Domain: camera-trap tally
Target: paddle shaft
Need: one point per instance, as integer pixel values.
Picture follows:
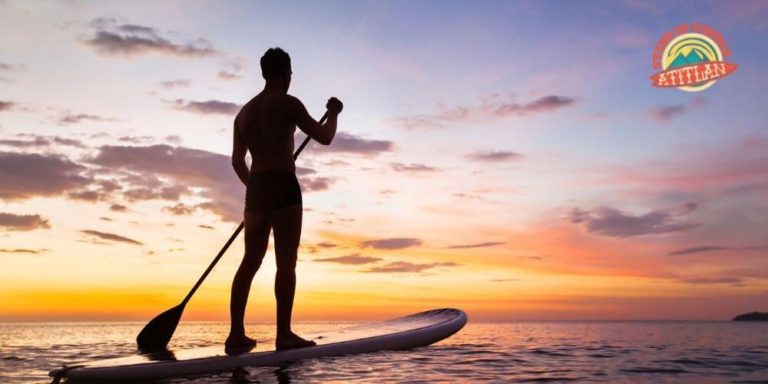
(238, 230)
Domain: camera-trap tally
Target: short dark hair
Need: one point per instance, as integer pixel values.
(275, 62)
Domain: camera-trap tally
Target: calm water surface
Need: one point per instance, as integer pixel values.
(613, 352)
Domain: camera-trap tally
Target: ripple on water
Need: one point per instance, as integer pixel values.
(510, 352)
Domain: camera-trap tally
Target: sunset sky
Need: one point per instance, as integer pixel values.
(507, 158)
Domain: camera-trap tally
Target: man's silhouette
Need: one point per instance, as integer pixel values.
(265, 127)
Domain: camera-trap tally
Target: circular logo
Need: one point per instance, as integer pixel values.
(691, 58)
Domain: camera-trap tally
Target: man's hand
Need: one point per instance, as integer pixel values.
(334, 106)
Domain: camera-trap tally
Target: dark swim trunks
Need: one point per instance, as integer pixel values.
(271, 190)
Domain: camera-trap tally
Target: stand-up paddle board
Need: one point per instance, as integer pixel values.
(417, 330)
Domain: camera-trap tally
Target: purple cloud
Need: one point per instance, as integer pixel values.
(113, 39)
(352, 144)
(476, 245)
(354, 259)
(15, 222)
(494, 156)
(22, 250)
(612, 222)
(701, 249)
(110, 237)
(488, 109)
(714, 248)
(208, 107)
(391, 243)
(181, 168)
(404, 266)
(179, 83)
(315, 184)
(713, 280)
(118, 208)
(86, 195)
(665, 113)
(69, 118)
(26, 175)
(413, 168)
(41, 141)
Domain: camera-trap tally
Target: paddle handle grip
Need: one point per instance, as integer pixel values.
(238, 230)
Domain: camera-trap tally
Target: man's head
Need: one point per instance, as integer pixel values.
(276, 64)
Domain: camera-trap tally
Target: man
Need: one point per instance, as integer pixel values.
(265, 127)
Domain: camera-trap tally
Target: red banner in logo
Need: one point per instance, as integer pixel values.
(692, 74)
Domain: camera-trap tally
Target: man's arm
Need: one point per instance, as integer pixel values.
(239, 149)
(323, 134)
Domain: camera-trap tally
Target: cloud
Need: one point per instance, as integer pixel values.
(26, 175)
(665, 113)
(695, 171)
(66, 141)
(4, 67)
(713, 280)
(136, 139)
(170, 192)
(178, 83)
(391, 243)
(315, 184)
(494, 156)
(354, 259)
(110, 237)
(209, 107)
(612, 222)
(714, 248)
(36, 142)
(348, 143)
(22, 250)
(86, 195)
(181, 168)
(404, 266)
(14, 222)
(476, 245)
(180, 209)
(6, 105)
(69, 118)
(113, 39)
(41, 141)
(490, 108)
(399, 167)
(544, 104)
(232, 69)
(118, 208)
(701, 249)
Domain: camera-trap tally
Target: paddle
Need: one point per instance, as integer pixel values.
(158, 332)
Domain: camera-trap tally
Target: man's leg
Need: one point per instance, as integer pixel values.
(286, 223)
(256, 240)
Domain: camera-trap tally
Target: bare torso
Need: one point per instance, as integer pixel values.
(266, 126)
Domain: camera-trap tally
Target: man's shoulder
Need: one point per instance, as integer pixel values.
(293, 104)
(292, 99)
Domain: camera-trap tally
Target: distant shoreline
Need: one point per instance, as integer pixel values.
(752, 316)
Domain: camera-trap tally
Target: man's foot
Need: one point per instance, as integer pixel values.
(239, 344)
(291, 341)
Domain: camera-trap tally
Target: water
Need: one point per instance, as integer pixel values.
(614, 352)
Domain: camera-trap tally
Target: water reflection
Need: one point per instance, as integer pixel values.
(642, 352)
(282, 374)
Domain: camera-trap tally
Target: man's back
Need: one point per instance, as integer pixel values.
(266, 125)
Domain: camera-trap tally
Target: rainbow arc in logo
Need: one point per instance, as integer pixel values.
(691, 62)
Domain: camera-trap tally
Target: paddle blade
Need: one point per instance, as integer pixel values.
(157, 333)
